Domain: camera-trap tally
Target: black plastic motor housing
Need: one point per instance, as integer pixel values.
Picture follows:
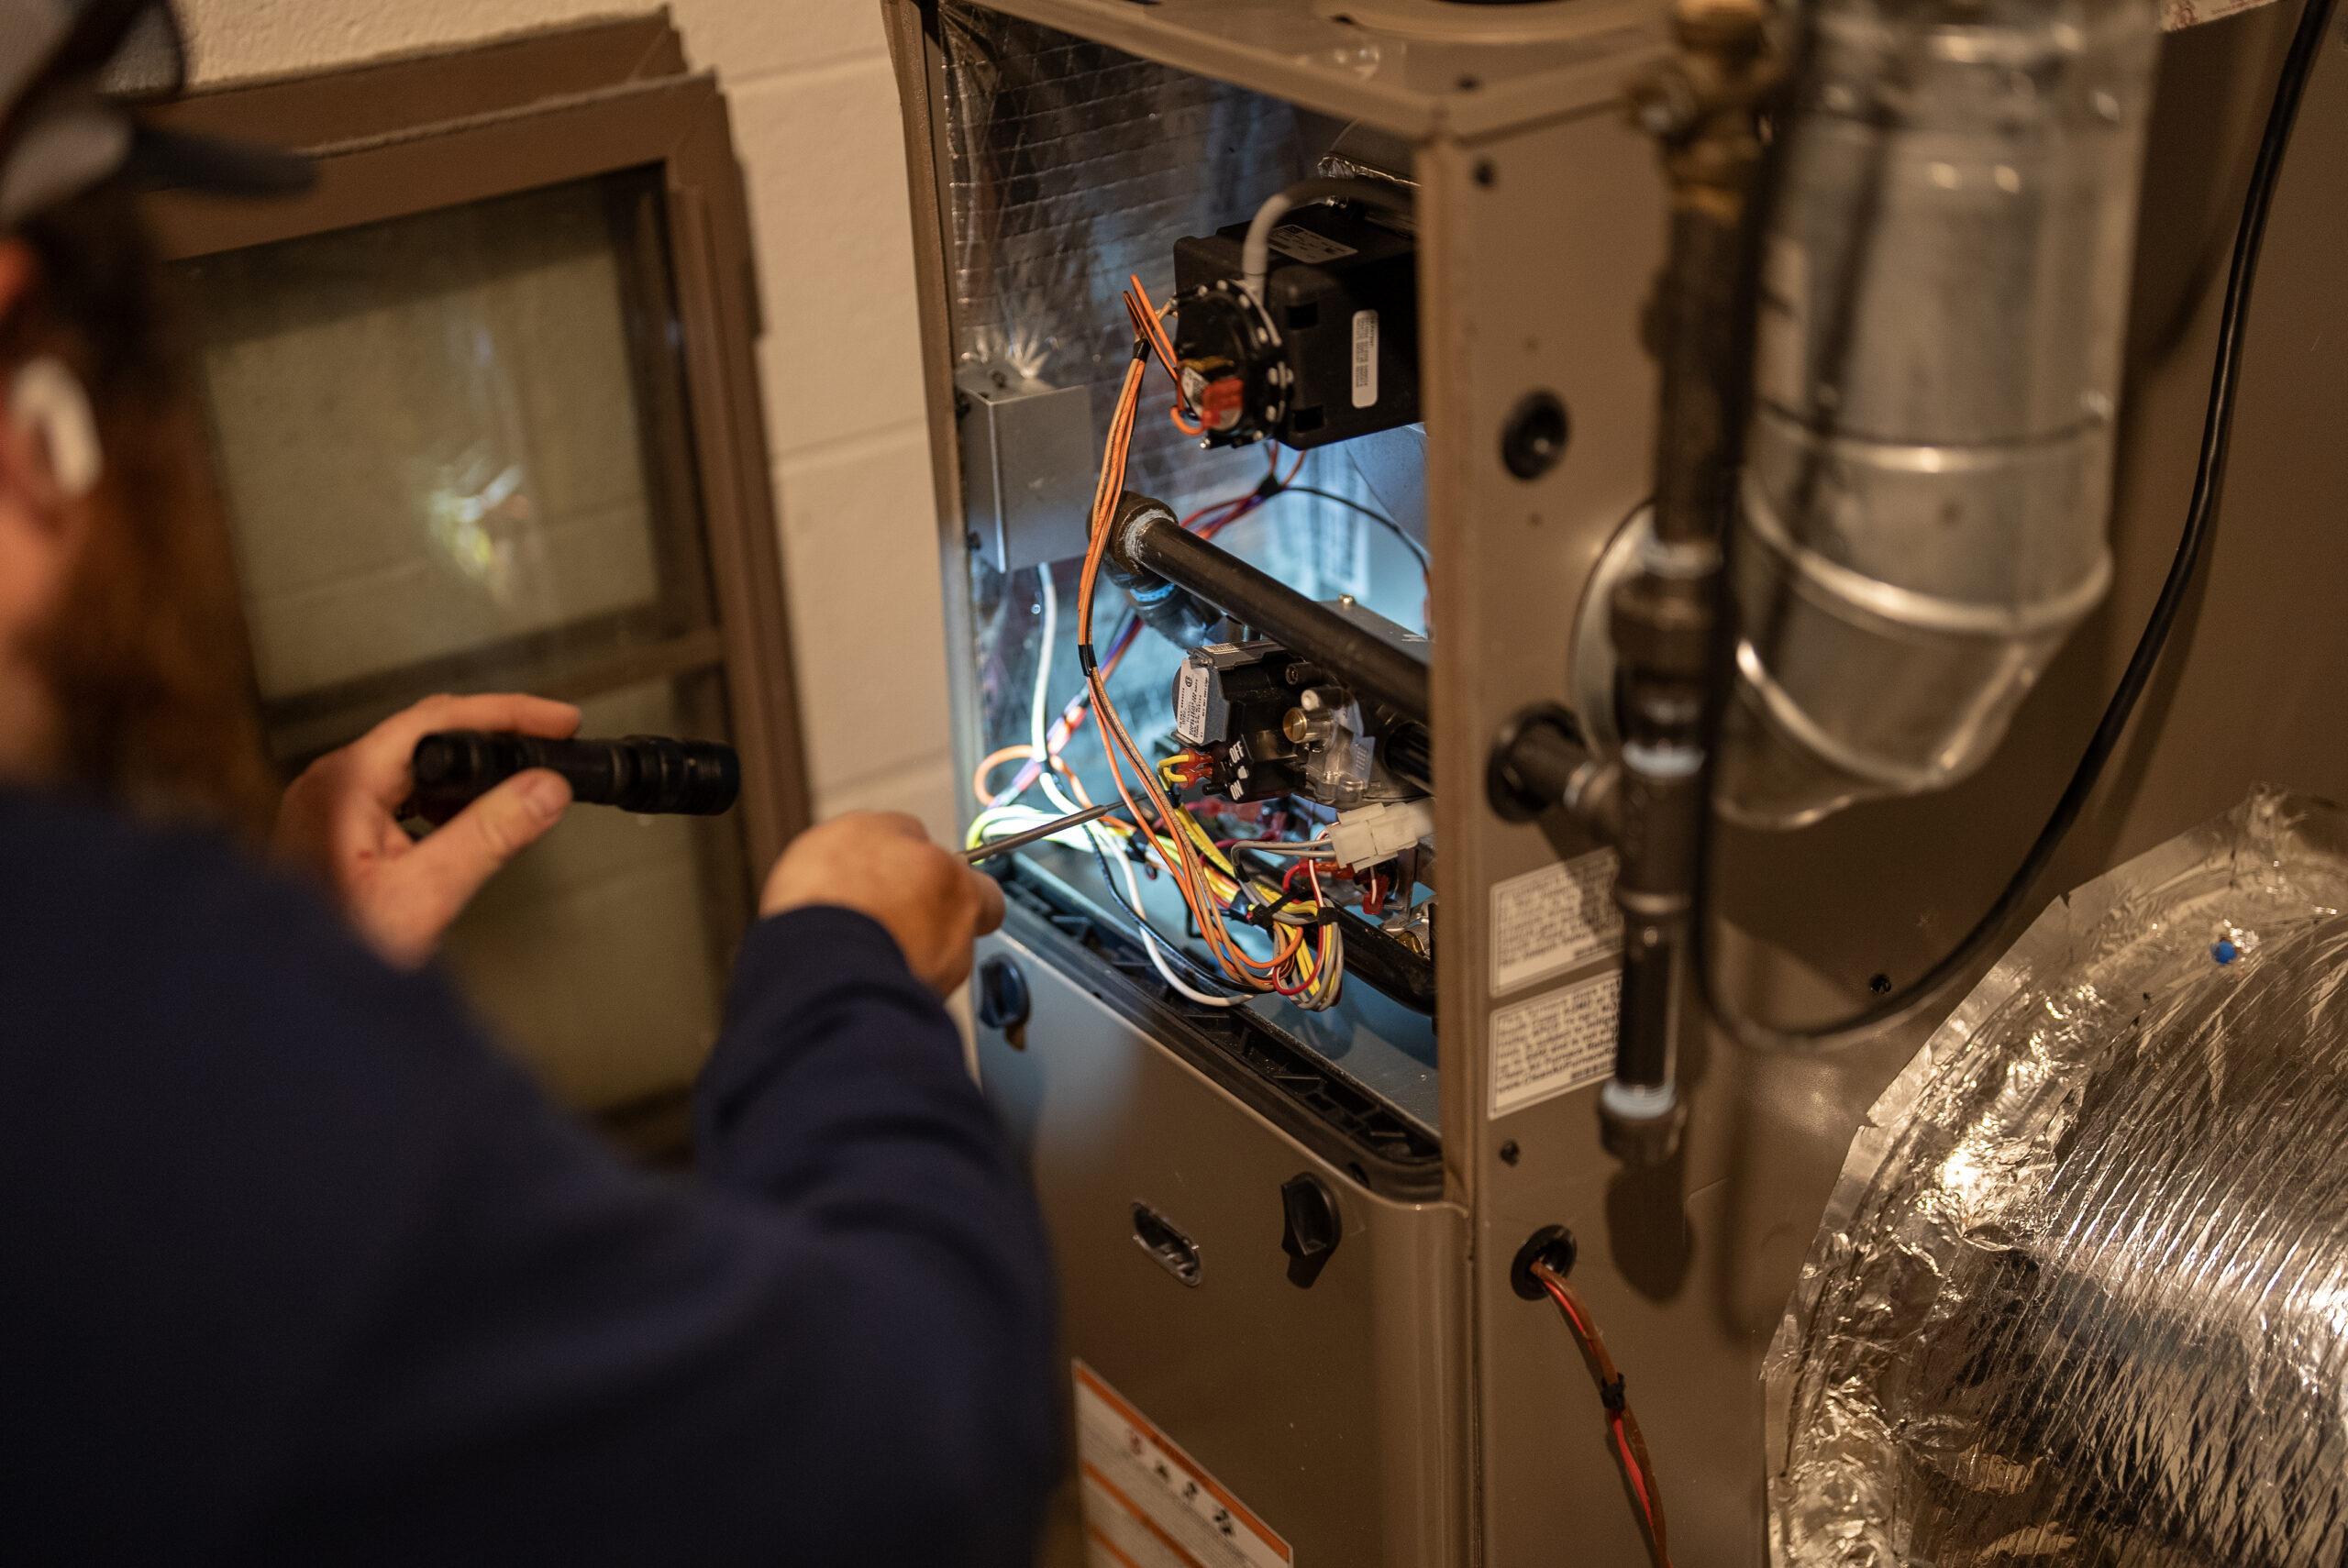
(1335, 353)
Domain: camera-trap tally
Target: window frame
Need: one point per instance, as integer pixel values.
(399, 138)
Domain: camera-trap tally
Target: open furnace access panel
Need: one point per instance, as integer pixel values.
(1278, 1080)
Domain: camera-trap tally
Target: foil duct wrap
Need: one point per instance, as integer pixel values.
(2081, 1295)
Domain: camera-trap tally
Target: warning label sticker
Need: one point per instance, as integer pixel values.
(1291, 239)
(1554, 1043)
(1546, 922)
(1147, 1504)
(1192, 684)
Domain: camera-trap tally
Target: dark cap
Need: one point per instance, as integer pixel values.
(74, 74)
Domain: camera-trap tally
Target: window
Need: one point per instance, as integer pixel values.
(485, 418)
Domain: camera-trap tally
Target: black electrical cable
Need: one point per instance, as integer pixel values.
(1371, 513)
(1214, 983)
(2217, 431)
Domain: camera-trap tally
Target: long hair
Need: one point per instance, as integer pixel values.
(148, 656)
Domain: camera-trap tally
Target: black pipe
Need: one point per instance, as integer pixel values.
(1387, 963)
(1701, 106)
(1144, 538)
(1540, 763)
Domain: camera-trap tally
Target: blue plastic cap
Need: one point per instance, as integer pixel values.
(2223, 951)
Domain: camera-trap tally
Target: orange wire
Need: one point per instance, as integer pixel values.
(1150, 325)
(1150, 320)
(1638, 1467)
(994, 760)
(1187, 876)
(1119, 748)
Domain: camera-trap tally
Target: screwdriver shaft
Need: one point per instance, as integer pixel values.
(994, 847)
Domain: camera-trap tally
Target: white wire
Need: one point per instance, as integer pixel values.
(1043, 681)
(1255, 250)
(1109, 848)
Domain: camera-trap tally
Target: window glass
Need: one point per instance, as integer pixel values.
(426, 435)
(456, 457)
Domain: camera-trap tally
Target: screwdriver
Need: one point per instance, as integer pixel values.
(994, 847)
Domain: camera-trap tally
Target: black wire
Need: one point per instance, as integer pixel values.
(2217, 431)
(1214, 983)
(1369, 512)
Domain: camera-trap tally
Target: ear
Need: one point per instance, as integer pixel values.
(47, 456)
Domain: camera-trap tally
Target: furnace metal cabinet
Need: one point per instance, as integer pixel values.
(1407, 1405)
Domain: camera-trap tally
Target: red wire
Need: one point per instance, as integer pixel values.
(1242, 505)
(1615, 1422)
(1631, 1466)
(1236, 509)
(1306, 866)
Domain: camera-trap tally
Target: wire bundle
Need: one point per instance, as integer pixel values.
(1306, 958)
(1107, 838)
(1622, 1427)
(1219, 515)
(1307, 961)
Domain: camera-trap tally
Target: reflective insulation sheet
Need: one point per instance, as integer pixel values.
(1072, 165)
(2081, 1295)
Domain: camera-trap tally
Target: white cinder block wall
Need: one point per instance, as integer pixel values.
(815, 123)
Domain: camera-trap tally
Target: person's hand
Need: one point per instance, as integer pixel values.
(337, 821)
(881, 864)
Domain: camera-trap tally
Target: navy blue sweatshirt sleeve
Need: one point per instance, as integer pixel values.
(298, 1269)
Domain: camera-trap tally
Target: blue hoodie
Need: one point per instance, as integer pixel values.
(295, 1267)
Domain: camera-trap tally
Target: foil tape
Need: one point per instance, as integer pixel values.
(2081, 1295)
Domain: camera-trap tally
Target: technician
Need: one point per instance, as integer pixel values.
(294, 1265)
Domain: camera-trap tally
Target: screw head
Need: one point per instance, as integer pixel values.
(1533, 440)
(1510, 1153)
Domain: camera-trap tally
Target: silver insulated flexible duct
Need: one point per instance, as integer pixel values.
(2081, 1297)
(1944, 293)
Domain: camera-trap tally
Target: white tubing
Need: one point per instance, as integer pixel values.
(1044, 673)
(1256, 256)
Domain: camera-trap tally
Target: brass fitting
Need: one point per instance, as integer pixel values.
(1702, 104)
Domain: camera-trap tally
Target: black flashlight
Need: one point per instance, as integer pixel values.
(650, 774)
